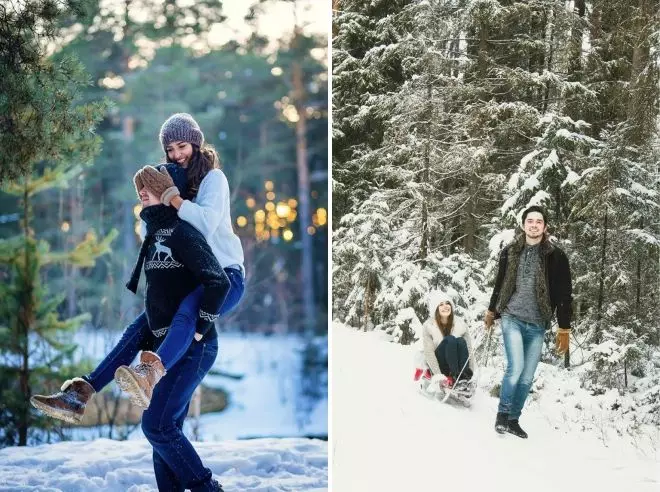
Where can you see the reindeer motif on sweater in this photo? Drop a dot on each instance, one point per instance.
(160, 253)
(160, 248)
(177, 260)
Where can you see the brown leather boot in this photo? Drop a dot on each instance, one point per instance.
(69, 404)
(139, 381)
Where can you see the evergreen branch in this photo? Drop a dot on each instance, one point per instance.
(85, 253)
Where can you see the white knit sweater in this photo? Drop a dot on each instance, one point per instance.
(209, 213)
(432, 336)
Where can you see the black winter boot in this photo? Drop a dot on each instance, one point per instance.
(501, 422)
(515, 429)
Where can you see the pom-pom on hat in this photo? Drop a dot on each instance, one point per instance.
(180, 127)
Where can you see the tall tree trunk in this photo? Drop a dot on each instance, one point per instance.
(482, 63)
(128, 221)
(640, 115)
(575, 57)
(26, 317)
(425, 175)
(367, 302)
(299, 97)
(601, 286)
(548, 57)
(74, 236)
(335, 13)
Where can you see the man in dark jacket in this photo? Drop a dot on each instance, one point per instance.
(533, 283)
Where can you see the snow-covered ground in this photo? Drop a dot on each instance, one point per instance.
(387, 437)
(264, 465)
(265, 402)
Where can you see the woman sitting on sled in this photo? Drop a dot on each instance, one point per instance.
(447, 345)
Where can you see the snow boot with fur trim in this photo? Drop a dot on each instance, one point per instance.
(69, 404)
(139, 381)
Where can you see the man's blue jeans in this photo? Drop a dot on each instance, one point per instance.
(523, 343)
(178, 339)
(176, 463)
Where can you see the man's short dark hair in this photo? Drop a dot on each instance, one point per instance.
(534, 208)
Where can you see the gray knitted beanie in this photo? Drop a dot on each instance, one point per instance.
(180, 127)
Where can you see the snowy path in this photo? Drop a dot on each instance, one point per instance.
(387, 437)
(264, 465)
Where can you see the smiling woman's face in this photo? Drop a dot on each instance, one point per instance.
(444, 309)
(180, 152)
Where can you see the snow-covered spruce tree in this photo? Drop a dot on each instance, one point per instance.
(401, 303)
(361, 255)
(408, 165)
(467, 111)
(508, 85)
(610, 208)
(366, 64)
(616, 195)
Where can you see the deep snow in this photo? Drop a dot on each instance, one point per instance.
(385, 436)
(264, 465)
(265, 402)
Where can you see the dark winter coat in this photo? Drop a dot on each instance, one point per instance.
(176, 260)
(554, 290)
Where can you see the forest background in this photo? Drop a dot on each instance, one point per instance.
(450, 118)
(85, 88)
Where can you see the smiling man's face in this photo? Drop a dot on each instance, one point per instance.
(534, 225)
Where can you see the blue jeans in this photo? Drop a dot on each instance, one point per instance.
(182, 329)
(523, 342)
(176, 463)
(452, 355)
(137, 335)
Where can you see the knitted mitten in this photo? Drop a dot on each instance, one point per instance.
(159, 183)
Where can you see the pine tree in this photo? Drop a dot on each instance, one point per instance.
(366, 64)
(482, 108)
(37, 114)
(33, 338)
(360, 259)
(47, 136)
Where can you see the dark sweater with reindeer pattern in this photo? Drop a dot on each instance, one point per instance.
(176, 260)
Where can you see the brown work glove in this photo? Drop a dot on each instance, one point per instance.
(159, 183)
(562, 340)
(489, 319)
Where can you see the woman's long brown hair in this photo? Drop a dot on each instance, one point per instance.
(201, 163)
(445, 329)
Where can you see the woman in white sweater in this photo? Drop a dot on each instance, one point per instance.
(446, 341)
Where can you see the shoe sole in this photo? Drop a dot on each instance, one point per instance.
(57, 413)
(130, 385)
(502, 430)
